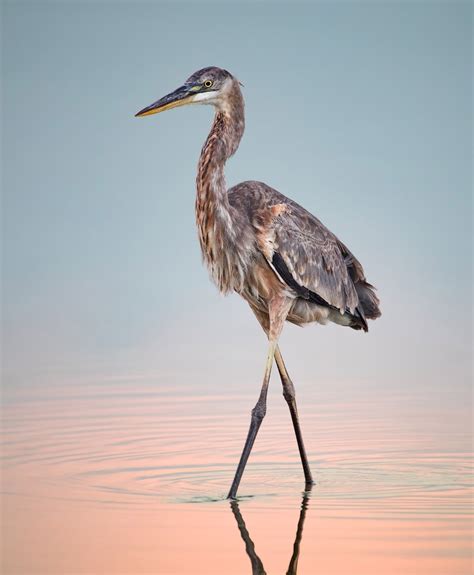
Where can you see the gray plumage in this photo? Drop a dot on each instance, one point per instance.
(257, 242)
(316, 259)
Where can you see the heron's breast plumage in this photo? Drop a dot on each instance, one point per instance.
(227, 248)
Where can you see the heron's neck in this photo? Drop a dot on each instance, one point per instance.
(213, 212)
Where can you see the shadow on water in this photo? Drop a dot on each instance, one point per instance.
(255, 561)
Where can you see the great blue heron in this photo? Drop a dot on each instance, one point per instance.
(255, 241)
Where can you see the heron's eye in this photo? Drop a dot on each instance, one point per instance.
(208, 83)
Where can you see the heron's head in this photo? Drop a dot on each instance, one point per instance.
(207, 86)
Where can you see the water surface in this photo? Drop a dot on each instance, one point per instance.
(125, 475)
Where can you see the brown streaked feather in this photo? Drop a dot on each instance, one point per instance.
(225, 237)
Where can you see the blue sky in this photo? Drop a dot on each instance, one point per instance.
(361, 112)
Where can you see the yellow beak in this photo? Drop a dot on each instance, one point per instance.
(179, 97)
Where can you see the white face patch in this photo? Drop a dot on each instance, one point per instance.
(205, 97)
(216, 97)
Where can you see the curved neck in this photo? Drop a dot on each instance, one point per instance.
(212, 206)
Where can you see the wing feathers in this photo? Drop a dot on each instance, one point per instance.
(313, 258)
(307, 256)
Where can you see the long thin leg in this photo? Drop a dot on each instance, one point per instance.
(258, 413)
(278, 308)
(289, 395)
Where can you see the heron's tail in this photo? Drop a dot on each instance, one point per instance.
(368, 300)
(368, 307)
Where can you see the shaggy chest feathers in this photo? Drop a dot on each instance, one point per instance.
(228, 252)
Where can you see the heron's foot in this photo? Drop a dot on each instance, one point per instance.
(309, 484)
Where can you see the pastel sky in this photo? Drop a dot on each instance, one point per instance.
(361, 112)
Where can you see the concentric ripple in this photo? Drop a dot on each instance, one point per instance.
(137, 476)
(133, 445)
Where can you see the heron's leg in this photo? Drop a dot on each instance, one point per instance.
(289, 395)
(278, 309)
(258, 413)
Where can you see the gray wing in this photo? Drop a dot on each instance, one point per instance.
(304, 253)
(313, 257)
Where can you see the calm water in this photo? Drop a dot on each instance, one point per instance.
(124, 475)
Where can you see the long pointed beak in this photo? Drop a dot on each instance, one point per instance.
(179, 97)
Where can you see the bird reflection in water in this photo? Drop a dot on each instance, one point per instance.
(256, 562)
